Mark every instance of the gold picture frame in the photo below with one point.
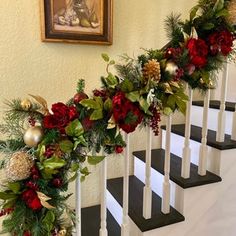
(77, 21)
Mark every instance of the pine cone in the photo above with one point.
(152, 70)
(232, 12)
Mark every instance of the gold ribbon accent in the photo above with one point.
(43, 199)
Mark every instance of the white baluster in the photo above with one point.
(165, 207)
(147, 191)
(103, 229)
(233, 136)
(202, 165)
(78, 205)
(220, 136)
(185, 169)
(125, 220)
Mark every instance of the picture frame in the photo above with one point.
(77, 21)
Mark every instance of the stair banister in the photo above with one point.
(147, 191)
(165, 207)
(78, 205)
(103, 228)
(233, 136)
(186, 156)
(220, 136)
(125, 218)
(202, 165)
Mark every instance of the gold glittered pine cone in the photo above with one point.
(232, 12)
(19, 165)
(152, 70)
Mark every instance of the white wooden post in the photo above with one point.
(202, 165)
(186, 156)
(147, 190)
(103, 229)
(220, 136)
(233, 136)
(125, 220)
(165, 207)
(78, 205)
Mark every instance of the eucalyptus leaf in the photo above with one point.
(94, 160)
(105, 57)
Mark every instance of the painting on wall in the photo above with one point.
(77, 21)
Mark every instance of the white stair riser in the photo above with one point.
(197, 114)
(218, 161)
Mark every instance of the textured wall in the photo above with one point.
(51, 70)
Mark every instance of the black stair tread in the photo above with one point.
(196, 135)
(215, 104)
(90, 222)
(158, 158)
(115, 187)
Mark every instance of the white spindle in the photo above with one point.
(147, 191)
(185, 169)
(233, 136)
(220, 136)
(165, 208)
(103, 229)
(202, 165)
(125, 220)
(78, 205)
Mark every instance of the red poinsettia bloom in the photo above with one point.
(198, 51)
(221, 42)
(118, 149)
(62, 115)
(31, 199)
(126, 114)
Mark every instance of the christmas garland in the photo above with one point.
(46, 149)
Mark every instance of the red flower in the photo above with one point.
(221, 42)
(61, 116)
(126, 114)
(31, 199)
(198, 52)
(87, 123)
(27, 233)
(118, 149)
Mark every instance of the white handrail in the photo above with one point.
(125, 219)
(147, 190)
(165, 207)
(202, 165)
(103, 228)
(78, 205)
(186, 156)
(233, 135)
(220, 135)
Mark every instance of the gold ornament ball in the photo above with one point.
(19, 165)
(26, 104)
(171, 68)
(33, 136)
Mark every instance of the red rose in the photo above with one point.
(126, 114)
(221, 42)
(31, 199)
(73, 114)
(198, 52)
(118, 149)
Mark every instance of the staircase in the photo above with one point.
(190, 198)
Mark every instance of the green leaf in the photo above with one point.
(54, 163)
(14, 187)
(133, 96)
(222, 12)
(78, 141)
(181, 105)
(111, 81)
(75, 167)
(208, 26)
(94, 160)
(193, 12)
(7, 196)
(112, 62)
(74, 129)
(218, 5)
(73, 178)
(48, 220)
(96, 114)
(167, 111)
(144, 104)
(127, 86)
(85, 171)
(171, 101)
(66, 146)
(90, 103)
(10, 203)
(108, 104)
(105, 57)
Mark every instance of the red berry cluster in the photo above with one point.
(6, 211)
(154, 121)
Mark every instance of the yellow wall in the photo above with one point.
(51, 70)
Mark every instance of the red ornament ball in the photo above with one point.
(79, 97)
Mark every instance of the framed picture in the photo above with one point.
(77, 21)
